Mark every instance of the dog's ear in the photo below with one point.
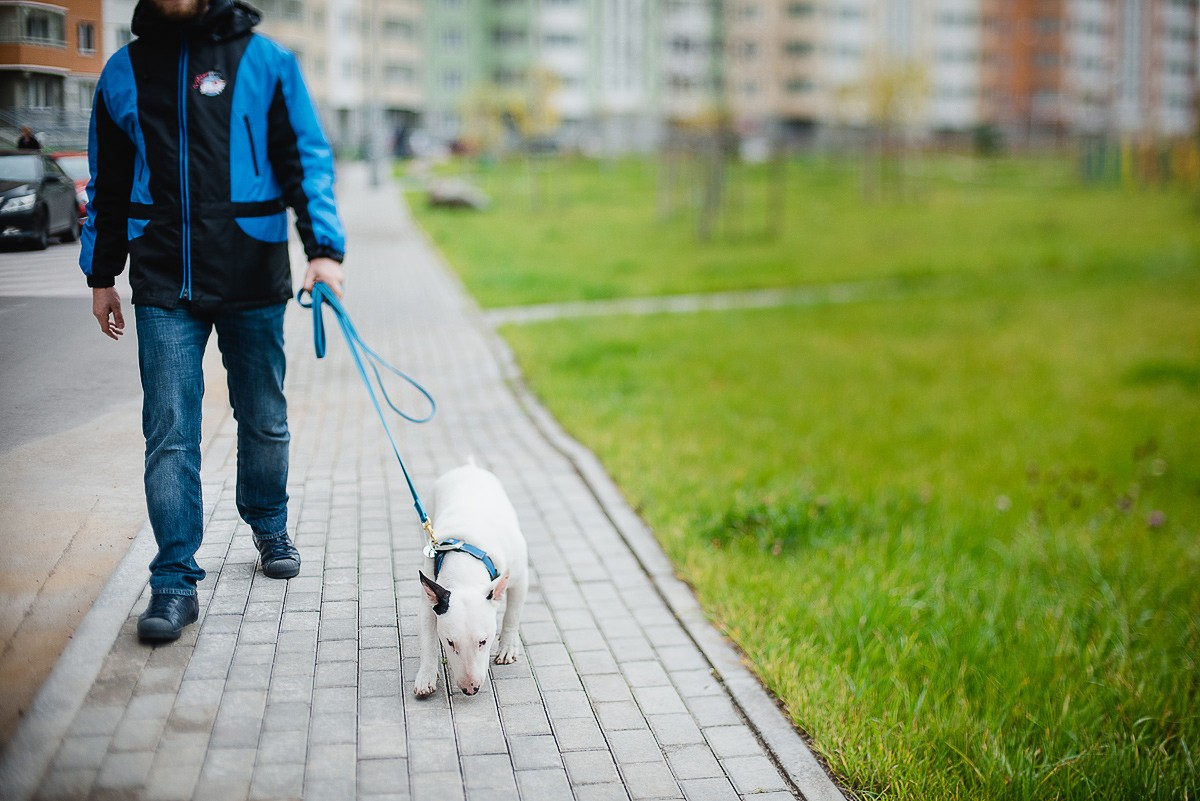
(496, 593)
(439, 596)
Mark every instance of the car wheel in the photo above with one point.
(41, 230)
(72, 232)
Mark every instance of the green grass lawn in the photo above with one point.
(954, 530)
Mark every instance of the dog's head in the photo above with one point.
(466, 628)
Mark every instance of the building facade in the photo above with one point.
(616, 74)
(50, 60)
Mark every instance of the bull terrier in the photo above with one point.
(479, 561)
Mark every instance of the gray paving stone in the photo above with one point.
(732, 741)
(332, 761)
(125, 771)
(534, 752)
(67, 785)
(382, 741)
(578, 734)
(567, 704)
(678, 729)
(443, 786)
(382, 776)
(277, 780)
(693, 762)
(592, 662)
(753, 774)
(613, 791)
(81, 753)
(710, 790)
(647, 780)
(590, 767)
(525, 719)
(619, 715)
(547, 783)
(635, 745)
(658, 700)
(607, 687)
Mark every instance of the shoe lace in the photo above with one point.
(279, 548)
(161, 605)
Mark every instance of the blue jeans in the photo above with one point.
(171, 346)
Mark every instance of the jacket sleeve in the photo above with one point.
(105, 238)
(303, 163)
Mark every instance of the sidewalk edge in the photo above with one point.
(44, 725)
(792, 755)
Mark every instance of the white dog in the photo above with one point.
(482, 560)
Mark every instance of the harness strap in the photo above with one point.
(452, 544)
(322, 295)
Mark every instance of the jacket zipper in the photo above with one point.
(185, 292)
(250, 136)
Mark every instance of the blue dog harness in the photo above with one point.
(438, 551)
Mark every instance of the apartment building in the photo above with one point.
(1065, 67)
(50, 60)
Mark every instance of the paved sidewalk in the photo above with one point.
(303, 689)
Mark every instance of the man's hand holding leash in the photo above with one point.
(328, 272)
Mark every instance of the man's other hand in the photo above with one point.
(106, 308)
(328, 272)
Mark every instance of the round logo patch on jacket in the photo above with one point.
(209, 84)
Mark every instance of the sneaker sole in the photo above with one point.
(282, 569)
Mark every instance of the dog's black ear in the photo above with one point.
(439, 596)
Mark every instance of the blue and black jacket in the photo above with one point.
(202, 134)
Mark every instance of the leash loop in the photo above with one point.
(321, 295)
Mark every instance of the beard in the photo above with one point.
(179, 10)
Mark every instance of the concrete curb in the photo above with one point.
(42, 728)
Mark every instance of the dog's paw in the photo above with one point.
(425, 687)
(507, 654)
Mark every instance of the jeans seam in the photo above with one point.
(170, 591)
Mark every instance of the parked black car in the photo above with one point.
(37, 199)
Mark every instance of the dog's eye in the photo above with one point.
(450, 643)
(482, 643)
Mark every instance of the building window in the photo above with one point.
(87, 93)
(800, 10)
(21, 24)
(87, 37)
(798, 48)
(124, 36)
(800, 86)
(397, 72)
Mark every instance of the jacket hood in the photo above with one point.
(224, 19)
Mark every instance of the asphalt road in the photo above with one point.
(58, 371)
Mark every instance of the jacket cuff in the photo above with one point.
(101, 282)
(326, 252)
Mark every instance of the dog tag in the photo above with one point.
(430, 551)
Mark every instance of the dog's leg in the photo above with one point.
(509, 638)
(427, 673)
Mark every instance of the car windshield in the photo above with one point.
(74, 166)
(20, 168)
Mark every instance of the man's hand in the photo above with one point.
(106, 308)
(328, 272)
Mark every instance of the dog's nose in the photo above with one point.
(470, 690)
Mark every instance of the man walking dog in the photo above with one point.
(202, 134)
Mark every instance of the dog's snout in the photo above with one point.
(470, 690)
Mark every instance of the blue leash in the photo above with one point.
(321, 295)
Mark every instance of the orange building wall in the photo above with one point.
(69, 59)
